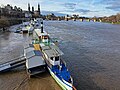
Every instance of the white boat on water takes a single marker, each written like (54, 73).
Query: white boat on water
(57, 67)
(27, 28)
(24, 27)
(31, 29)
(24, 30)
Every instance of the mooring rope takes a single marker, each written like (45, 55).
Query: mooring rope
(22, 82)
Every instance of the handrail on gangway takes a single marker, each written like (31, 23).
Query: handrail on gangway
(12, 63)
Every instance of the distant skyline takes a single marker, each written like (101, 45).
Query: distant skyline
(88, 8)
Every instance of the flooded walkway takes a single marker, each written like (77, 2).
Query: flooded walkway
(11, 46)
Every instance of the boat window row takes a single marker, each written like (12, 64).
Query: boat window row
(55, 58)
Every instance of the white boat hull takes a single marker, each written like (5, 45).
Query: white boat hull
(63, 84)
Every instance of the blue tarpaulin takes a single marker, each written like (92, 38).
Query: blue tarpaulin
(37, 53)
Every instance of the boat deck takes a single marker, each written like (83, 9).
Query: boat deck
(61, 73)
(36, 46)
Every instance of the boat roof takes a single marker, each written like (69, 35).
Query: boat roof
(38, 31)
(30, 54)
(29, 49)
(34, 62)
(52, 51)
(33, 57)
(33, 53)
(25, 23)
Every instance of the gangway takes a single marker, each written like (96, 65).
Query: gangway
(35, 64)
(12, 64)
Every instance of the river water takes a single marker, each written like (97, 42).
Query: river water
(91, 51)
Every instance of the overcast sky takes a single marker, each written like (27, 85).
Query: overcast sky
(82, 7)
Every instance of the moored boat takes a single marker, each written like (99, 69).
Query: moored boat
(52, 56)
(34, 61)
(24, 27)
(57, 67)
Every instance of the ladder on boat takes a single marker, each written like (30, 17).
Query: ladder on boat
(12, 64)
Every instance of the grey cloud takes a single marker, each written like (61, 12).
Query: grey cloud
(106, 2)
(69, 5)
(84, 11)
(114, 5)
(110, 4)
(57, 13)
(115, 8)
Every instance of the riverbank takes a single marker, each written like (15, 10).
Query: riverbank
(11, 46)
(116, 23)
(112, 22)
(5, 23)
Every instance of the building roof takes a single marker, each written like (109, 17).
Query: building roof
(28, 49)
(30, 54)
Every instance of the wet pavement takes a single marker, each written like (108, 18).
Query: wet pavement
(91, 51)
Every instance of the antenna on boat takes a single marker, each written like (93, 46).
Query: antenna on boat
(41, 26)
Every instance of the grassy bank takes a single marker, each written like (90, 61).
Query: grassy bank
(111, 22)
(116, 23)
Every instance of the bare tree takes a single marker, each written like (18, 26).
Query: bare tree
(4, 23)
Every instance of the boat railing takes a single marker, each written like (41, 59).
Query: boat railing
(12, 64)
(13, 60)
(63, 61)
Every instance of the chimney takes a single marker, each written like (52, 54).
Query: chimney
(41, 26)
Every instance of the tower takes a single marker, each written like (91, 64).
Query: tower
(32, 9)
(29, 7)
(39, 9)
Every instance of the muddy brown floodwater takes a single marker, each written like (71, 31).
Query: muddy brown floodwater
(91, 51)
(11, 47)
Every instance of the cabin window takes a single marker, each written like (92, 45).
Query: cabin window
(45, 37)
(57, 58)
(40, 37)
(51, 58)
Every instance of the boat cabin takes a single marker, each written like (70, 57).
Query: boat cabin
(41, 37)
(52, 54)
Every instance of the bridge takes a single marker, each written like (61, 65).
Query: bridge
(83, 19)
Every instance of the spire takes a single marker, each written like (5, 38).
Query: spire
(39, 9)
(29, 7)
(32, 9)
